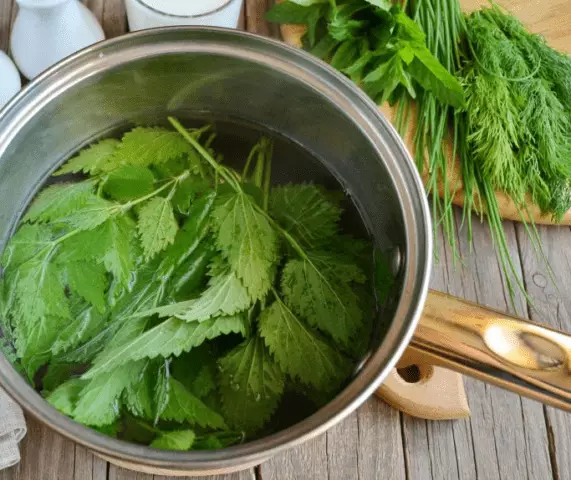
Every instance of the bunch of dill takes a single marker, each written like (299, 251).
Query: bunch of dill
(516, 128)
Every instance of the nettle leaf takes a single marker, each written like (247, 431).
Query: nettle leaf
(40, 290)
(162, 390)
(111, 243)
(251, 385)
(89, 280)
(138, 397)
(128, 182)
(118, 251)
(91, 214)
(28, 241)
(183, 406)
(247, 240)
(65, 397)
(170, 338)
(306, 213)
(225, 295)
(56, 202)
(34, 340)
(295, 346)
(319, 290)
(99, 400)
(91, 159)
(177, 440)
(86, 323)
(157, 226)
(147, 146)
(189, 236)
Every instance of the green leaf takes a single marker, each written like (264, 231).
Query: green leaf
(345, 55)
(118, 252)
(58, 201)
(177, 440)
(225, 295)
(170, 338)
(341, 23)
(183, 406)
(186, 192)
(307, 3)
(128, 182)
(91, 159)
(147, 146)
(34, 340)
(65, 397)
(296, 346)
(188, 239)
(251, 385)
(319, 290)
(91, 214)
(85, 324)
(40, 290)
(56, 375)
(88, 279)
(324, 47)
(247, 240)
(28, 241)
(157, 226)
(112, 243)
(138, 397)
(306, 213)
(161, 394)
(432, 76)
(99, 400)
(382, 4)
(408, 29)
(291, 13)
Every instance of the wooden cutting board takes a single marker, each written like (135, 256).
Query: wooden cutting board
(550, 18)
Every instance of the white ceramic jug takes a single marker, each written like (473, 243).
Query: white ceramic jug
(46, 31)
(10, 82)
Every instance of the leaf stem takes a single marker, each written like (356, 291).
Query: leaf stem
(213, 163)
(268, 173)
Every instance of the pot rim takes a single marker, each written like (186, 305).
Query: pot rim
(405, 179)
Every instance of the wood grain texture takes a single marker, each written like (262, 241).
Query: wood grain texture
(553, 306)
(5, 23)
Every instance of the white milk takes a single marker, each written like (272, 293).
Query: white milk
(161, 13)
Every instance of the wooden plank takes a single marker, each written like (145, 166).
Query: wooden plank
(46, 455)
(507, 434)
(5, 23)
(365, 445)
(255, 22)
(114, 18)
(245, 475)
(552, 306)
(88, 466)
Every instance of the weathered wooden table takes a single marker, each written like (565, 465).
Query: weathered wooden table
(507, 437)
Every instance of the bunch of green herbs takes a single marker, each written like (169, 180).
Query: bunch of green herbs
(374, 43)
(173, 301)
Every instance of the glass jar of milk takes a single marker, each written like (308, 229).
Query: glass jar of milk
(162, 13)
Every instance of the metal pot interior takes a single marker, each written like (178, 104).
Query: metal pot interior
(224, 75)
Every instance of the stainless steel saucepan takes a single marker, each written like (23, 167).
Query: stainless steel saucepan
(192, 72)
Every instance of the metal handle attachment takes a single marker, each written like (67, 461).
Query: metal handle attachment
(513, 353)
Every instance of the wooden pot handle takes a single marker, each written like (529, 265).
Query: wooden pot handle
(436, 394)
